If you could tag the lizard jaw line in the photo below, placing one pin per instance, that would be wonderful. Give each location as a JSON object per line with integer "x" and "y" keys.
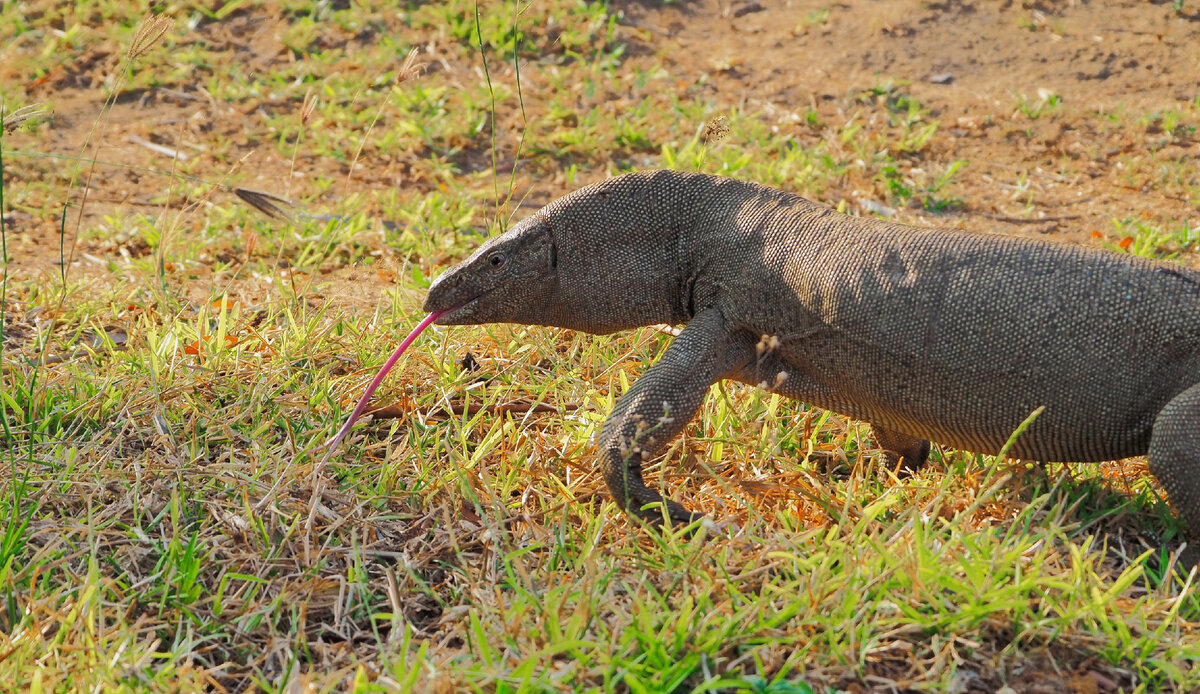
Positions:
{"x": 448, "y": 315}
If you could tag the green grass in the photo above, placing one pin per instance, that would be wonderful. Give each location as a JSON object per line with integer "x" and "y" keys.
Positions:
{"x": 163, "y": 525}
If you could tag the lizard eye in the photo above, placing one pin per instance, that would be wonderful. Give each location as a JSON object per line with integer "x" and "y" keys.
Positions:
{"x": 497, "y": 260}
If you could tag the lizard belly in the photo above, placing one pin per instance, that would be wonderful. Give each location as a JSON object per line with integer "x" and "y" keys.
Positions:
{"x": 976, "y": 408}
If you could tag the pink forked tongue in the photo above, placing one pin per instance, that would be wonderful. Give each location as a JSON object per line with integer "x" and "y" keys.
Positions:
{"x": 332, "y": 444}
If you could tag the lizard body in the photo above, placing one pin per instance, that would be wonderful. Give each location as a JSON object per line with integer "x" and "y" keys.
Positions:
{"x": 928, "y": 334}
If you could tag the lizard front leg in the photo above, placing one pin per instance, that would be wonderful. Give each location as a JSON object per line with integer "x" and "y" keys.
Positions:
{"x": 658, "y": 406}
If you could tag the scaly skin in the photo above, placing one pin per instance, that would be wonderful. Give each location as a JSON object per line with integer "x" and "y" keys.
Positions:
{"x": 928, "y": 334}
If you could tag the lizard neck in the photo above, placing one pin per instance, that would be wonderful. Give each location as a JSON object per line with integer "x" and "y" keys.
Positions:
{"x": 618, "y": 248}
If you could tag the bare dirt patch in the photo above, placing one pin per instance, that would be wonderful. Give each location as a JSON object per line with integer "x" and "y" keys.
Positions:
{"x": 972, "y": 63}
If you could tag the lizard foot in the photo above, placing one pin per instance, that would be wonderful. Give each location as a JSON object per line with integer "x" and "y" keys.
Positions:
{"x": 677, "y": 514}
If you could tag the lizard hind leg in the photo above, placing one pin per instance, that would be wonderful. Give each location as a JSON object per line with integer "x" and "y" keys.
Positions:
{"x": 901, "y": 452}
{"x": 1174, "y": 458}
{"x": 657, "y": 408}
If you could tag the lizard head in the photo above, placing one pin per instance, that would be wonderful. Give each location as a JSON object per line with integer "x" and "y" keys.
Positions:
{"x": 511, "y": 278}
{"x": 600, "y": 259}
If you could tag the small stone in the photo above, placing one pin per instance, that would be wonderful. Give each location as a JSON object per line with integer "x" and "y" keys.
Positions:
{"x": 942, "y": 78}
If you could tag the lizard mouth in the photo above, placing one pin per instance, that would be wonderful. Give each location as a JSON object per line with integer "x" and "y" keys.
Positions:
{"x": 451, "y": 316}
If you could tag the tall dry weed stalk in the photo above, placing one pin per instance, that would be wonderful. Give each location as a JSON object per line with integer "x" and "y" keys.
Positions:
{"x": 504, "y": 204}
{"x": 409, "y": 70}
{"x": 152, "y": 29}
{"x": 712, "y": 133}
{"x": 306, "y": 112}
{"x": 149, "y": 33}
{"x": 9, "y": 122}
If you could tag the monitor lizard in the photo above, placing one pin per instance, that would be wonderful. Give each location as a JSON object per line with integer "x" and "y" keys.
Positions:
{"x": 927, "y": 334}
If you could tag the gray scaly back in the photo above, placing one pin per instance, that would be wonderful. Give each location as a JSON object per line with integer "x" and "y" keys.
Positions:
{"x": 928, "y": 334}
